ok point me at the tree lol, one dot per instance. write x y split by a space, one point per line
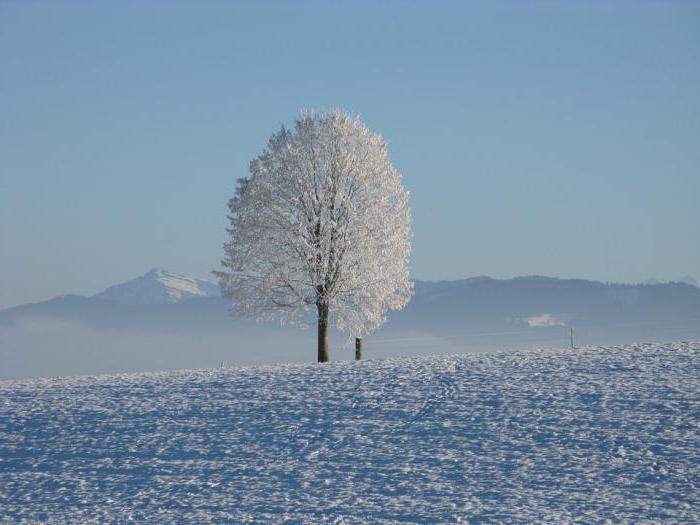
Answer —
321 222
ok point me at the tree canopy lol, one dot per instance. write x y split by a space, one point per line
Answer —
321 222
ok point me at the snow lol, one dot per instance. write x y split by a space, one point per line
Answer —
544 320
158 286
539 436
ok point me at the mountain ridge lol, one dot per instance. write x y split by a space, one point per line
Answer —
75 334
161 286
158 286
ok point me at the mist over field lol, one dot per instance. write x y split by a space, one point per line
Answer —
167 321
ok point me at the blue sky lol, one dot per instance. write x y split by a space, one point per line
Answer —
557 138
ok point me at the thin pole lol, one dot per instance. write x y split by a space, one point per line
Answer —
358 349
572 339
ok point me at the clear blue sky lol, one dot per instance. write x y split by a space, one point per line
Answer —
552 138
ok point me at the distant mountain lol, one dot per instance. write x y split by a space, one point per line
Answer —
692 281
164 320
688 279
158 287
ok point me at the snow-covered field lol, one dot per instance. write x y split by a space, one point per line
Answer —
549 436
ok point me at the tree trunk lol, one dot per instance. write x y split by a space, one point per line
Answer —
322 333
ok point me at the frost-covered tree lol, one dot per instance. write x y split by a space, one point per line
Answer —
321 223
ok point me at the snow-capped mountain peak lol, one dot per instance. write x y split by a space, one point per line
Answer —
158 286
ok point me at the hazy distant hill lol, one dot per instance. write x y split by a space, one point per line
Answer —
163 320
158 287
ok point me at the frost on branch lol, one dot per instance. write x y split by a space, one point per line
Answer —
322 221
